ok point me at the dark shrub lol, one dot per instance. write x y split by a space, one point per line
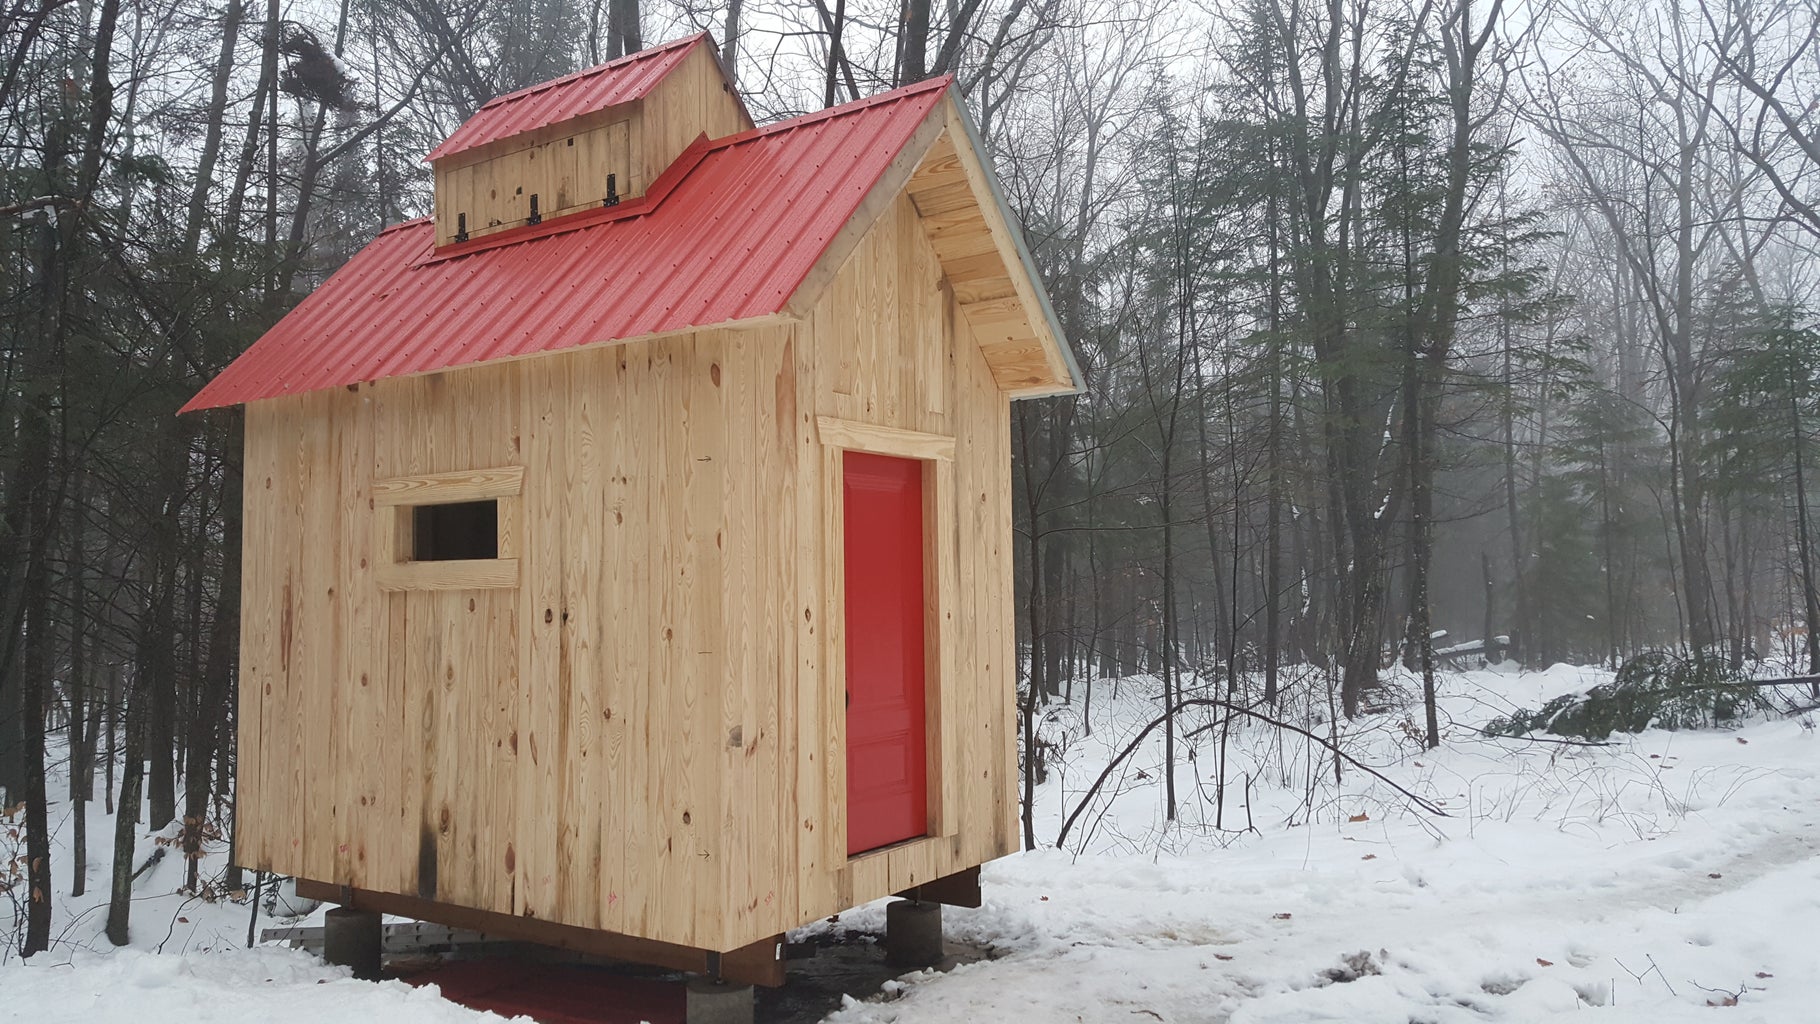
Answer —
1654 689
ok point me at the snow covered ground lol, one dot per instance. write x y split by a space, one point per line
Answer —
1649 881
1669 877
187 962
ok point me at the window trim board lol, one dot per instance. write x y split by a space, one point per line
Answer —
395 500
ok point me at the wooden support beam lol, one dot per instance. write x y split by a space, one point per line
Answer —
961 889
760 963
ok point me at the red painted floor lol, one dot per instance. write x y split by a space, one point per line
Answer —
554 993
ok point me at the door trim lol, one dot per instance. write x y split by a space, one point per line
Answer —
853 436
940 582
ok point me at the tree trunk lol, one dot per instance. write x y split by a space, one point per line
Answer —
214 125
913 43
156 652
1810 587
35 679
729 47
1273 509
126 819
835 24
625 35
1491 596
112 707
59 248
1421 512
81 755
209 727
1036 615
29 517
1171 685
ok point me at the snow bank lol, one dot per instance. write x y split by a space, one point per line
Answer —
1667 877
267 984
1648 881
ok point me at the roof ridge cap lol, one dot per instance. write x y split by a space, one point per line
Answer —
828 113
413 222
617 62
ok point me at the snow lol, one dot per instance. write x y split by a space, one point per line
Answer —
187 962
1639 882
269 984
1646 881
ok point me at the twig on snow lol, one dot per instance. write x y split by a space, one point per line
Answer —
1230 709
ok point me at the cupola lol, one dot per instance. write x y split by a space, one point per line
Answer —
595 138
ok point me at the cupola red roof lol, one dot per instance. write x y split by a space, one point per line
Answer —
629 78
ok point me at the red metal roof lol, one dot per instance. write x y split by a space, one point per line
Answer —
629 78
729 238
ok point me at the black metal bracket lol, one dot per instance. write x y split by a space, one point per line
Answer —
612 198
461 227
535 217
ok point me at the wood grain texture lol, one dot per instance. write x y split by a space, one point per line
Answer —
565 166
976 245
870 437
757 963
691 100
871 385
452 574
446 488
642 730
881 197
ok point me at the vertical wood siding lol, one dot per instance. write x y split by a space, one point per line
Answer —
644 734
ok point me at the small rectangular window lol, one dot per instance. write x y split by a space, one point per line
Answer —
462 531
447 531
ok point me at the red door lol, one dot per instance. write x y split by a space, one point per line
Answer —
887 782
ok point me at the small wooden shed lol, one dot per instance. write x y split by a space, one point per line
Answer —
628 553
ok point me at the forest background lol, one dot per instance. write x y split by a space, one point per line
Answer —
1404 323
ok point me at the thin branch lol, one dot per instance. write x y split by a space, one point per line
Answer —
1230 708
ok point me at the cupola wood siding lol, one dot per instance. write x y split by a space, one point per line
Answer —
594 138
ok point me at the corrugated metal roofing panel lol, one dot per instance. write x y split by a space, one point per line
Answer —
629 78
731 241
